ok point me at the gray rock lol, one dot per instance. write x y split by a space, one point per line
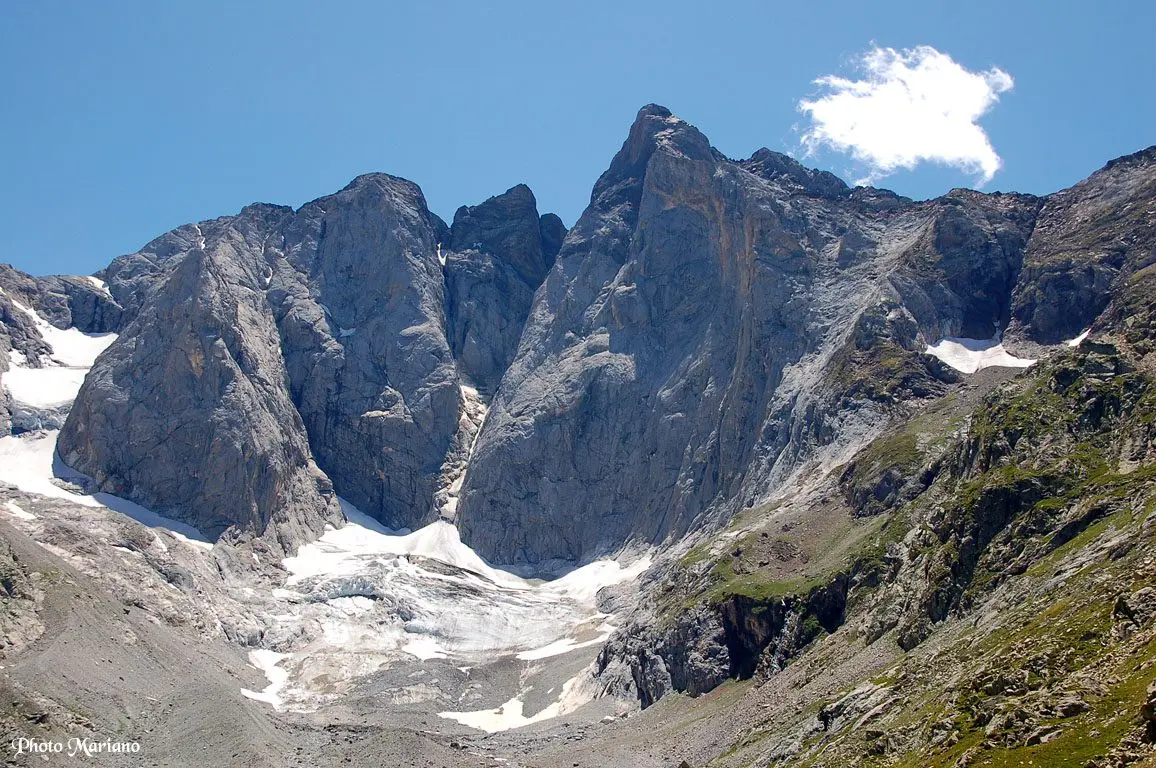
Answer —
500 253
188 412
60 300
359 364
707 328
685 351
64 301
1088 239
358 295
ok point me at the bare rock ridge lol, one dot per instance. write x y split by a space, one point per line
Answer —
706 329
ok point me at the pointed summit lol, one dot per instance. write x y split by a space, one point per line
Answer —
654 128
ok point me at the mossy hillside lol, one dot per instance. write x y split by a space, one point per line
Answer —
1065 452
1043 461
1060 641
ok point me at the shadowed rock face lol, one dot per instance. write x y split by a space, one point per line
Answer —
64 300
1088 238
499 253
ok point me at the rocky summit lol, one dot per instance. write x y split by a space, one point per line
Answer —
747 467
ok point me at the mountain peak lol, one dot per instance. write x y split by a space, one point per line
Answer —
653 110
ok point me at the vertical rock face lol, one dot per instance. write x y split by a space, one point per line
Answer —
271 358
676 356
1087 237
358 294
188 411
498 255
964 265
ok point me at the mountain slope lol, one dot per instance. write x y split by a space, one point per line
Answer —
890 466
705 321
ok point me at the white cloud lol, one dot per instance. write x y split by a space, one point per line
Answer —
911 106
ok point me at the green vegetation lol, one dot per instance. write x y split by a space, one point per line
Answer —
756 586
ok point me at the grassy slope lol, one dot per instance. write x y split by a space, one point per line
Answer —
1054 477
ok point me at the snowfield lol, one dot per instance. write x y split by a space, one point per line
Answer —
56 384
971 355
382 597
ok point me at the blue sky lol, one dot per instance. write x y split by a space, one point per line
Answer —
123 120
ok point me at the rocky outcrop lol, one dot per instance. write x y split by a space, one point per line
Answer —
64 301
188 411
647 663
1087 243
498 255
357 292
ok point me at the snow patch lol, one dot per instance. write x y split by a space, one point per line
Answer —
424 648
30 463
344 332
971 355
1079 339
48 387
473 418
15 510
362 541
56 384
567 644
510 715
100 284
269 662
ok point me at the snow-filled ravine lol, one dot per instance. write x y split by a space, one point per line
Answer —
362 599
971 355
